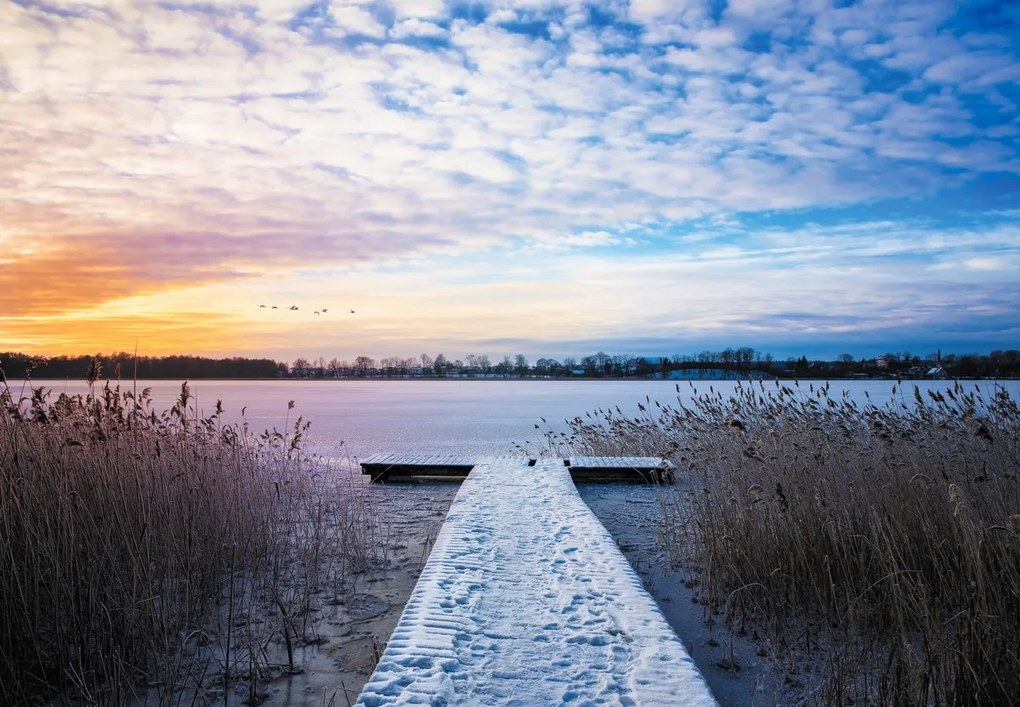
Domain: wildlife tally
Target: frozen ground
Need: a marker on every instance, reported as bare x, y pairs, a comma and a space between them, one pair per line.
352, 634
527, 600
349, 626
355, 632
739, 669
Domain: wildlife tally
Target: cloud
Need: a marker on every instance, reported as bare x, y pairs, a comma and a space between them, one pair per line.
429, 9
765, 287
1008, 264
415, 27
347, 21
83, 272
146, 146
961, 68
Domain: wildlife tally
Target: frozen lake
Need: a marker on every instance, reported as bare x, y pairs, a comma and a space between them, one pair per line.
474, 417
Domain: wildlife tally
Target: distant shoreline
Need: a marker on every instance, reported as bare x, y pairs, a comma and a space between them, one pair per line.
533, 379
730, 364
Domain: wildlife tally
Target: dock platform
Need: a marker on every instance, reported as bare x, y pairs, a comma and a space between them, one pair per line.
527, 600
583, 469
640, 470
434, 467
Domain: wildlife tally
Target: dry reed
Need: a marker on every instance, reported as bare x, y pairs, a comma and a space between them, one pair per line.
157, 556
882, 541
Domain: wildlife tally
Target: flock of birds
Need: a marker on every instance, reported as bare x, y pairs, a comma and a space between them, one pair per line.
295, 308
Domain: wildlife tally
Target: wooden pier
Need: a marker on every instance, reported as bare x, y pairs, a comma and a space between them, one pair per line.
583, 469
526, 600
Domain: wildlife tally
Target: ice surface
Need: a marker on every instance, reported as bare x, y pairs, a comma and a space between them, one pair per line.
527, 600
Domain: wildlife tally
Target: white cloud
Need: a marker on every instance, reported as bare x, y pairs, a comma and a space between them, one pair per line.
355, 21
231, 121
761, 11
1007, 264
421, 9
687, 58
415, 27
961, 68
501, 15
650, 11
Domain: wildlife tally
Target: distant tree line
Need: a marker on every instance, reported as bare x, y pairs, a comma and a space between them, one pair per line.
731, 362
997, 364
728, 363
127, 366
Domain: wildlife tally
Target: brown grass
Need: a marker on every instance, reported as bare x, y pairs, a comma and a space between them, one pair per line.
159, 554
883, 541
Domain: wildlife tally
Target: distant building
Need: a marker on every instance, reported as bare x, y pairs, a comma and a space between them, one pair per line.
647, 364
936, 372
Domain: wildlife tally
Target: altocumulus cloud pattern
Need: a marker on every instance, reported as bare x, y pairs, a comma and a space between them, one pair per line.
841, 169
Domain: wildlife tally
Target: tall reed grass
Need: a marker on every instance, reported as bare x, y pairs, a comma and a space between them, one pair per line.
159, 556
882, 541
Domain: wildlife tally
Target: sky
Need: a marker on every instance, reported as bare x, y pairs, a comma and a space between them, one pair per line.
547, 178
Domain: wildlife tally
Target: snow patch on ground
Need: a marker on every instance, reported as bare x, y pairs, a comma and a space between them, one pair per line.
526, 600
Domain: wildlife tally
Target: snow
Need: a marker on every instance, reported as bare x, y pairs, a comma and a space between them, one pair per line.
527, 600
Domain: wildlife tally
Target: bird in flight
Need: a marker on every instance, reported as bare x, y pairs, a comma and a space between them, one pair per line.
352, 311
295, 308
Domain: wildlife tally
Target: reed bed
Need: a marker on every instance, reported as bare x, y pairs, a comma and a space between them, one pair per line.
881, 544
160, 556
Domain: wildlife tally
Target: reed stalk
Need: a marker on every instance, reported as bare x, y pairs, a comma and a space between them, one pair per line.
133, 542
885, 539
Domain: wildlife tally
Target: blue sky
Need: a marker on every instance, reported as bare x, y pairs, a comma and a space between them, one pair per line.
526, 177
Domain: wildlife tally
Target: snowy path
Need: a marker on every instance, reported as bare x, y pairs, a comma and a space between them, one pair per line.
526, 600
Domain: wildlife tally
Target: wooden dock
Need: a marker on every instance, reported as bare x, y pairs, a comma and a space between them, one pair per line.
583, 469
526, 600
397, 467
637, 470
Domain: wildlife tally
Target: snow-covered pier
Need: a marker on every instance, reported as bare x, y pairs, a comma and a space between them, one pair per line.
527, 600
